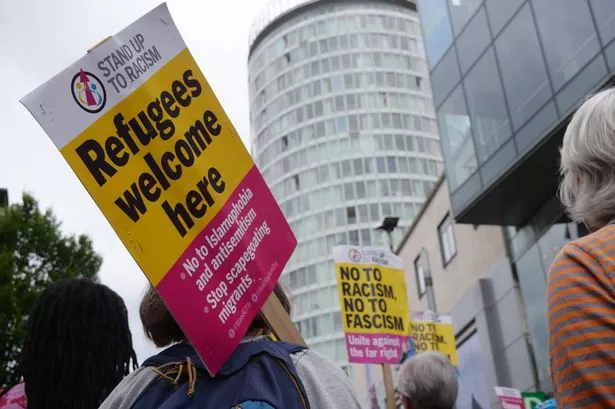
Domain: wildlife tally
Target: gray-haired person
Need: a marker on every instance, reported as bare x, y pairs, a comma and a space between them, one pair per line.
581, 280
428, 381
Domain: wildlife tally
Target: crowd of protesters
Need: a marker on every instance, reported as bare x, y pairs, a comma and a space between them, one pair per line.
78, 350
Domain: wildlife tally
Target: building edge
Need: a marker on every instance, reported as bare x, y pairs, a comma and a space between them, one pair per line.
257, 38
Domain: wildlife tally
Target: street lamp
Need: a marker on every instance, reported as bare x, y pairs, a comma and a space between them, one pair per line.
388, 225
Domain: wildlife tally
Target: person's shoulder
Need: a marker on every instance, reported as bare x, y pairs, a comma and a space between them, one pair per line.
596, 242
310, 358
593, 252
129, 389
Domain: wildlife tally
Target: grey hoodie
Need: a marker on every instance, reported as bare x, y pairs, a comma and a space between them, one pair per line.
326, 385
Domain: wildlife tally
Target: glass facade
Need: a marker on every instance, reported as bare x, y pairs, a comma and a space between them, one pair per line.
533, 248
344, 132
505, 73
473, 392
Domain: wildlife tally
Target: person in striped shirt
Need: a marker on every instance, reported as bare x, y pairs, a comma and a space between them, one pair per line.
581, 283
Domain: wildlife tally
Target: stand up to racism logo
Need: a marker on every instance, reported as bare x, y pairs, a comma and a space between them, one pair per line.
354, 255
88, 92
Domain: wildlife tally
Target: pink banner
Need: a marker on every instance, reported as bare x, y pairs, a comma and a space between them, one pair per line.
221, 281
376, 349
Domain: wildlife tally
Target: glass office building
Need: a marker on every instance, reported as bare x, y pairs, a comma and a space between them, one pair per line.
344, 132
506, 76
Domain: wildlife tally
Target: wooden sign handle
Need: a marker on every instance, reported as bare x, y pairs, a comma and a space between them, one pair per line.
279, 321
99, 44
389, 388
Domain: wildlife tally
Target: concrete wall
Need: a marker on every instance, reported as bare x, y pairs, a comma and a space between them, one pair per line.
478, 249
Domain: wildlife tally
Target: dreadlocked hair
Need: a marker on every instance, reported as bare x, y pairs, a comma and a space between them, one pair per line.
78, 346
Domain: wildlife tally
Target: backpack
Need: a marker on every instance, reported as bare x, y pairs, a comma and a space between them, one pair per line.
260, 374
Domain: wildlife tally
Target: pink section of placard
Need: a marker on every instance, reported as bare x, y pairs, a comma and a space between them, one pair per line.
509, 402
221, 281
376, 349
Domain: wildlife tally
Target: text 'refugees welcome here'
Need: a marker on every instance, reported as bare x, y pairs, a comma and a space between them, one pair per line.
184, 147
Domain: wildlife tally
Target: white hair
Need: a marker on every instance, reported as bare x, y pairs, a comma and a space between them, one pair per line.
429, 381
587, 190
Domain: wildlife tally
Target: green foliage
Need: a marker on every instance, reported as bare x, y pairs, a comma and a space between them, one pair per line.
33, 254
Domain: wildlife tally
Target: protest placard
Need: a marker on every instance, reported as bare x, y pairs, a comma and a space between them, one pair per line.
509, 398
434, 332
533, 400
140, 126
374, 305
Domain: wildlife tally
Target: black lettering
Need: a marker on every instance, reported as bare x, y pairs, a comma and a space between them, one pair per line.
202, 186
114, 148
107, 59
149, 159
140, 39
194, 201
211, 123
166, 159
179, 92
101, 66
168, 103
346, 289
123, 131
398, 323
192, 82
215, 179
166, 127
96, 164
183, 153
147, 185
154, 53
148, 59
131, 74
195, 136
116, 61
141, 64
177, 213
123, 55
144, 137
132, 204
348, 304
349, 320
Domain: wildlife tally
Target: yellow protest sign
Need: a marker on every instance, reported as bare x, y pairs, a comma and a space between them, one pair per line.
140, 126
434, 332
374, 305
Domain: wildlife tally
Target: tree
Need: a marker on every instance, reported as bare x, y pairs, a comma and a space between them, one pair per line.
33, 254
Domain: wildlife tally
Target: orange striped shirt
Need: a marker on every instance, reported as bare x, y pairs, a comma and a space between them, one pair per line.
581, 308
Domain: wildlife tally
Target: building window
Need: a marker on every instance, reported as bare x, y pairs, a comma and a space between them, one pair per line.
447, 239
419, 273
351, 215
456, 137
296, 180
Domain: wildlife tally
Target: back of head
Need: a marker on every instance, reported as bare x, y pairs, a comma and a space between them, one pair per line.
587, 189
162, 329
78, 346
428, 381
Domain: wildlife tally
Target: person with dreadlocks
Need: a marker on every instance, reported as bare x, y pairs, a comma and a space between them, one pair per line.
77, 348
262, 373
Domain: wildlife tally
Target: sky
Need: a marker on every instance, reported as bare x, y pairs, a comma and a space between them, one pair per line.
38, 39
